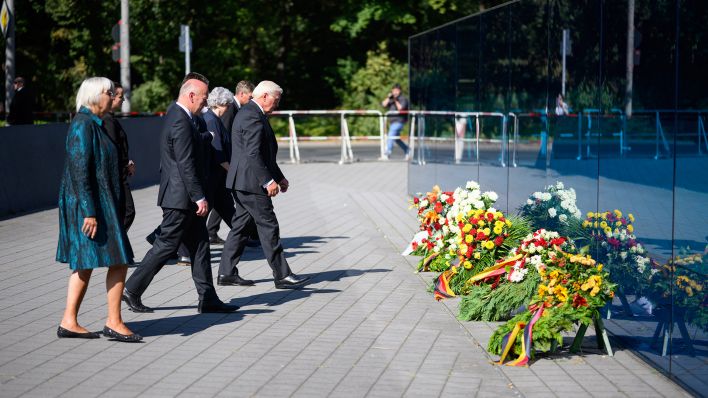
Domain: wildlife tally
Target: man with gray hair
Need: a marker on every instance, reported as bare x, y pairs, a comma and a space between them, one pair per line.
254, 178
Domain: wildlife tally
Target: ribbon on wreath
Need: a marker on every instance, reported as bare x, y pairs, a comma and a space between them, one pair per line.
442, 285
495, 270
526, 342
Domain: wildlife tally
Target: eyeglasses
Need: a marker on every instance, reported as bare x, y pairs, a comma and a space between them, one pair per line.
111, 94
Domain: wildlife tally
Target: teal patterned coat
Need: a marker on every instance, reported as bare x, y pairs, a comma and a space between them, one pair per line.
90, 187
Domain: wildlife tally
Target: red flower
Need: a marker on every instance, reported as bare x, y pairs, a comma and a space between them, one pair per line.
579, 301
558, 241
415, 245
498, 241
450, 200
480, 235
490, 216
438, 207
416, 200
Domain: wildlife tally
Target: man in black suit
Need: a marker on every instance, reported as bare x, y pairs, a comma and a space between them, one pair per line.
254, 178
21, 105
244, 88
183, 176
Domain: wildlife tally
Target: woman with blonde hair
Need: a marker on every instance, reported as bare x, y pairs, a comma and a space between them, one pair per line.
91, 232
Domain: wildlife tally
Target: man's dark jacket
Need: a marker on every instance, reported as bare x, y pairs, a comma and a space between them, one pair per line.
253, 152
183, 161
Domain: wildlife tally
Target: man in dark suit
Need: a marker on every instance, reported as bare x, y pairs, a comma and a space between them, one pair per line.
21, 105
254, 178
183, 176
244, 88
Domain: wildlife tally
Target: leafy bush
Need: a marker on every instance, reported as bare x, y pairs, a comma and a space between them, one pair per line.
151, 96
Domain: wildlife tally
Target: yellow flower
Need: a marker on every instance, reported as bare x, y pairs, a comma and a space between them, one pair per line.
499, 224
599, 268
498, 215
604, 216
467, 264
477, 255
481, 223
608, 230
631, 217
603, 224
576, 286
595, 224
468, 239
561, 294
542, 290
586, 224
618, 213
591, 214
618, 223
508, 223
487, 231
467, 228
689, 291
463, 249
630, 228
592, 284
489, 245
498, 230
470, 213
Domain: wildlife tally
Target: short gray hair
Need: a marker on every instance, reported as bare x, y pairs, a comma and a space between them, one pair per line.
266, 87
220, 96
244, 86
90, 91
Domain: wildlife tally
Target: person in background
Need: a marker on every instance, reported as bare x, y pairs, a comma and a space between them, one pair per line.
244, 88
22, 104
91, 231
561, 106
396, 102
126, 167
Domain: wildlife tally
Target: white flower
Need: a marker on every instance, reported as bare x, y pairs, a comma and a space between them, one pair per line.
563, 218
552, 212
472, 186
424, 203
491, 195
546, 196
529, 202
444, 197
517, 275
478, 204
538, 195
492, 210
559, 185
623, 255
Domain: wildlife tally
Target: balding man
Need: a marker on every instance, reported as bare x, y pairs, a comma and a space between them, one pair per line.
254, 178
183, 176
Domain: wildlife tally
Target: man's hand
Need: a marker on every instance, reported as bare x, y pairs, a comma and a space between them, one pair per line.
272, 189
284, 185
131, 168
90, 227
202, 208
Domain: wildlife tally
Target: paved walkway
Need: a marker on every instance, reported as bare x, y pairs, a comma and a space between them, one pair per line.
365, 327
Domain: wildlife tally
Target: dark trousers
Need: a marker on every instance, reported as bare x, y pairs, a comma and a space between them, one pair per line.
213, 223
223, 210
177, 226
248, 208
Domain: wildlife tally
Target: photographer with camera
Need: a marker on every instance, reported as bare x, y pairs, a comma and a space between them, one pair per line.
396, 102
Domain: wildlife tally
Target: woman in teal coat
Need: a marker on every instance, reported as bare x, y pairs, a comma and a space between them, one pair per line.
91, 233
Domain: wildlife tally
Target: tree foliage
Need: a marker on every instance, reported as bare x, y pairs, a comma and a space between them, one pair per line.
310, 47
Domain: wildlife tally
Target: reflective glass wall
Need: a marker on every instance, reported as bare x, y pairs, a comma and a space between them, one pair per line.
611, 99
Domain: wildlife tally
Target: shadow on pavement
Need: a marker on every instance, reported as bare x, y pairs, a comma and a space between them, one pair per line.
187, 325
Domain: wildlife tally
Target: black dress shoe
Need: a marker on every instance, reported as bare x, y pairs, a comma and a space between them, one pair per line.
134, 303
66, 333
184, 260
216, 307
216, 240
233, 280
291, 281
125, 338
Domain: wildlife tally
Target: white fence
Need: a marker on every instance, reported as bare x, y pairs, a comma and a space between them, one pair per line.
584, 133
